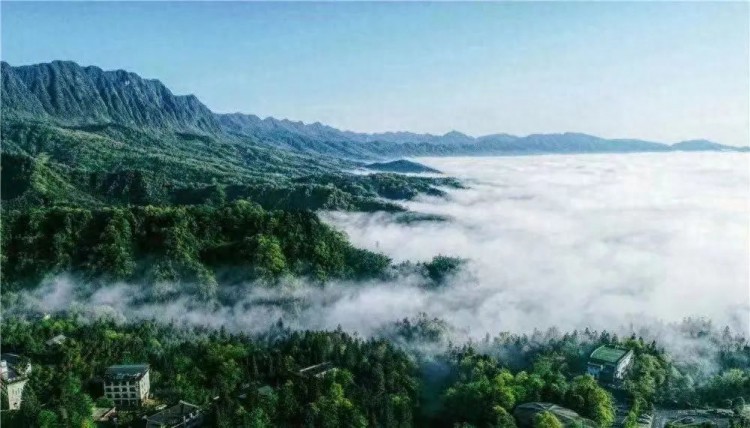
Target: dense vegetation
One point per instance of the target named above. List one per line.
(656, 377)
(45, 165)
(374, 384)
(401, 165)
(189, 245)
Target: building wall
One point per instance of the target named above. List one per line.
(623, 365)
(145, 386)
(15, 393)
(127, 393)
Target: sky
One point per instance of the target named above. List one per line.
(659, 71)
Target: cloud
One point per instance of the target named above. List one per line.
(628, 243)
(585, 240)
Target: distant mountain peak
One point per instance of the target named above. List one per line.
(456, 134)
(70, 94)
(701, 144)
(401, 166)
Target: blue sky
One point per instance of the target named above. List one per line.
(660, 71)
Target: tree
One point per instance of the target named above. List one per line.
(259, 419)
(30, 408)
(113, 255)
(104, 402)
(47, 419)
(268, 256)
(75, 403)
(547, 420)
(598, 405)
(4, 403)
(504, 419)
(440, 268)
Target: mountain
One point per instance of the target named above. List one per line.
(68, 94)
(322, 139)
(64, 94)
(84, 137)
(401, 165)
(703, 145)
(284, 134)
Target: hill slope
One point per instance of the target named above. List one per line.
(401, 165)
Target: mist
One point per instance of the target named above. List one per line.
(600, 241)
(628, 243)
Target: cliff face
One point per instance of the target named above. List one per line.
(69, 94)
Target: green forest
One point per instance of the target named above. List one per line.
(374, 383)
(178, 244)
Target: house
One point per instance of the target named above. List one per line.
(57, 340)
(526, 413)
(609, 364)
(103, 415)
(265, 391)
(127, 385)
(181, 415)
(14, 373)
(318, 370)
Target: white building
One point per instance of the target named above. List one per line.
(609, 364)
(13, 377)
(127, 385)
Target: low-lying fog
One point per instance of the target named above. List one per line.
(570, 241)
(601, 241)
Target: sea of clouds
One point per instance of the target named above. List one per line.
(620, 242)
(603, 241)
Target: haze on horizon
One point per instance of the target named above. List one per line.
(658, 71)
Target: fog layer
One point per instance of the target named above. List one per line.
(571, 241)
(617, 242)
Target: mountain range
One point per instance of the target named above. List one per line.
(66, 94)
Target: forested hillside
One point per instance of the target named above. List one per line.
(110, 176)
(178, 245)
(83, 136)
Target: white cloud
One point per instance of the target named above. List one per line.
(587, 240)
(618, 242)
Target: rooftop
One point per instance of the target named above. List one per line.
(608, 354)
(9, 374)
(317, 370)
(174, 415)
(13, 368)
(526, 412)
(126, 371)
(57, 340)
(102, 414)
(11, 359)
